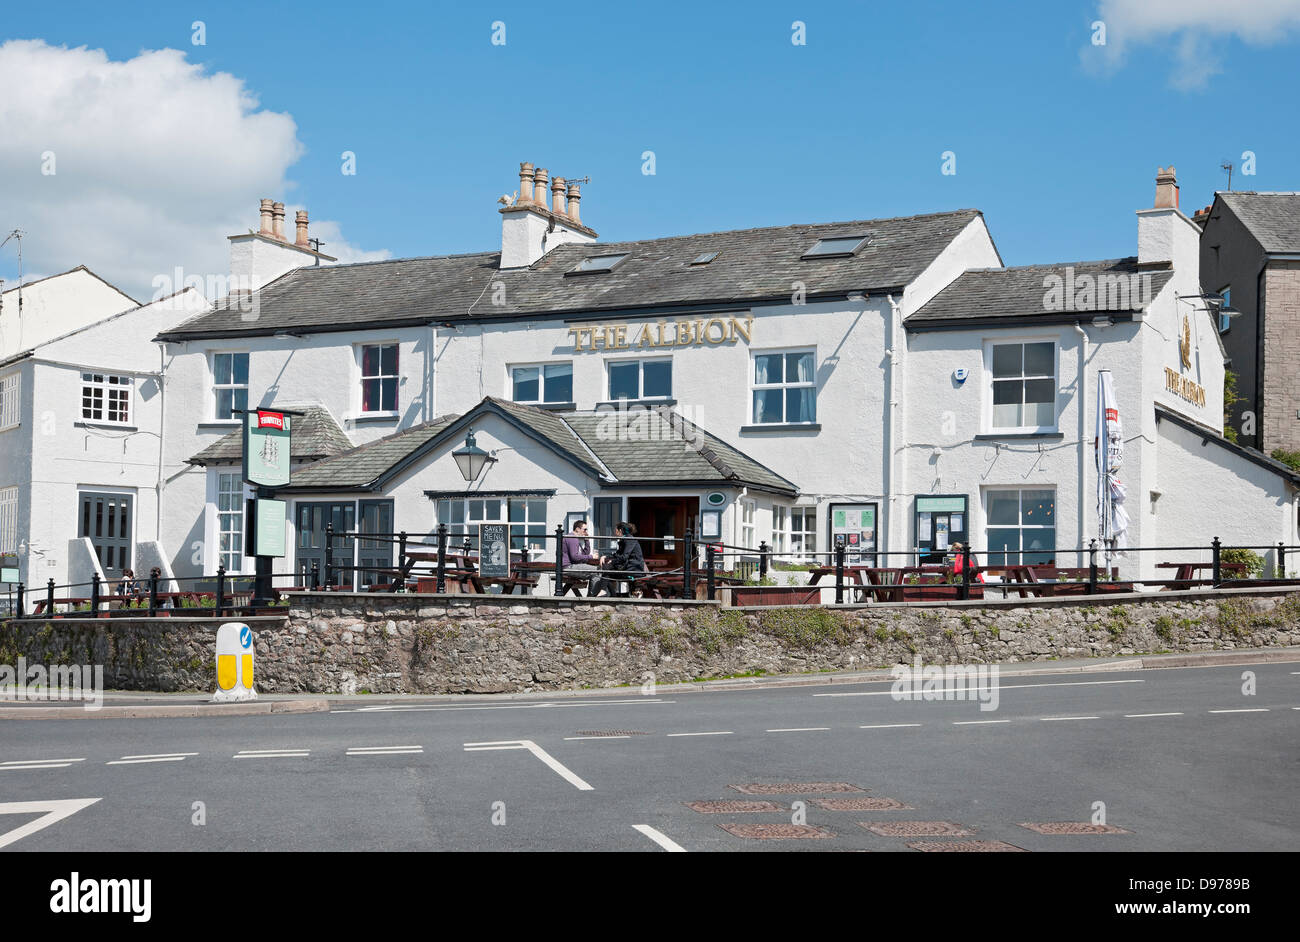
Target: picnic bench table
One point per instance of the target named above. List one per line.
(1185, 577)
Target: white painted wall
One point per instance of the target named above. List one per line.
(56, 306)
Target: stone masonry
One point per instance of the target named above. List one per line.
(346, 643)
(1280, 390)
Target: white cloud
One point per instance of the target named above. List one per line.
(156, 161)
(1194, 27)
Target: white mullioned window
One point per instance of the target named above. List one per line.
(8, 520)
(230, 522)
(1023, 386)
(747, 524)
(1021, 526)
(779, 525)
(546, 382)
(640, 379)
(379, 378)
(803, 531)
(784, 390)
(229, 384)
(10, 401)
(106, 398)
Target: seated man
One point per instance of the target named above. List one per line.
(576, 553)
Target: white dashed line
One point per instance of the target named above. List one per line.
(889, 726)
(273, 754)
(19, 764)
(978, 722)
(727, 732)
(163, 755)
(667, 843)
(1139, 715)
(554, 764)
(1053, 719)
(573, 738)
(800, 729)
(1070, 683)
(144, 760)
(1255, 710)
(385, 750)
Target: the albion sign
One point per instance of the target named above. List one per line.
(1184, 388)
(712, 331)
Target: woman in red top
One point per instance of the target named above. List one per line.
(957, 561)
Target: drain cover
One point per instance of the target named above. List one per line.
(969, 847)
(610, 732)
(861, 804)
(735, 807)
(916, 828)
(1074, 827)
(795, 788)
(775, 832)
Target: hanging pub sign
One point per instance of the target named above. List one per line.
(265, 537)
(266, 448)
(9, 567)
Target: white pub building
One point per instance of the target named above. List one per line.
(887, 383)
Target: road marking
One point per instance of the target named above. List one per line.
(799, 729)
(1057, 719)
(401, 708)
(572, 738)
(536, 750)
(667, 843)
(385, 750)
(889, 726)
(1254, 710)
(1070, 683)
(144, 760)
(978, 722)
(1138, 715)
(727, 732)
(272, 754)
(54, 811)
(16, 764)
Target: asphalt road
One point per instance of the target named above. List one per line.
(1182, 760)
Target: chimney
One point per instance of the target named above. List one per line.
(539, 194)
(260, 257)
(1166, 189)
(301, 221)
(525, 182)
(557, 196)
(266, 218)
(1201, 215)
(277, 221)
(575, 196)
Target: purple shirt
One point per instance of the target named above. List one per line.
(577, 550)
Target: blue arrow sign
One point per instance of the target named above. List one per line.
(246, 636)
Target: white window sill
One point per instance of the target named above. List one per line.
(1021, 433)
(365, 417)
(91, 423)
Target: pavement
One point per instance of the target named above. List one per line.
(1091, 756)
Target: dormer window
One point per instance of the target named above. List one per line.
(597, 263)
(837, 247)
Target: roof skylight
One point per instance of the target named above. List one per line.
(597, 263)
(836, 246)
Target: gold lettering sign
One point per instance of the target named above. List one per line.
(1184, 388)
(708, 332)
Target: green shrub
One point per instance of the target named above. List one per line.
(1253, 561)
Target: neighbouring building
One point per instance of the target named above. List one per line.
(885, 383)
(1250, 254)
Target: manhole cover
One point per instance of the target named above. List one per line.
(1073, 827)
(737, 807)
(610, 732)
(969, 847)
(916, 828)
(861, 804)
(795, 788)
(775, 832)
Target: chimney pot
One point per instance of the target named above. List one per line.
(540, 179)
(525, 182)
(266, 229)
(277, 221)
(1166, 188)
(575, 197)
(557, 196)
(301, 221)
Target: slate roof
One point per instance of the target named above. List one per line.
(1273, 218)
(1022, 292)
(315, 435)
(642, 450)
(752, 265)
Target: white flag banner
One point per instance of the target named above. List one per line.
(1112, 518)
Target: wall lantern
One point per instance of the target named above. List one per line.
(471, 458)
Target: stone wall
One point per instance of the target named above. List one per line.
(346, 643)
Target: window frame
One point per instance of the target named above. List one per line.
(755, 386)
(807, 515)
(11, 404)
(541, 382)
(1020, 526)
(611, 362)
(989, 425)
(1225, 323)
(812, 253)
(102, 382)
(216, 387)
(362, 378)
(748, 511)
(241, 491)
(9, 519)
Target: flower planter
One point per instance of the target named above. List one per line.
(775, 595)
(939, 593)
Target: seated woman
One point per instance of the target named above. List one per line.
(957, 558)
(627, 557)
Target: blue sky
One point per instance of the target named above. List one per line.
(1056, 140)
